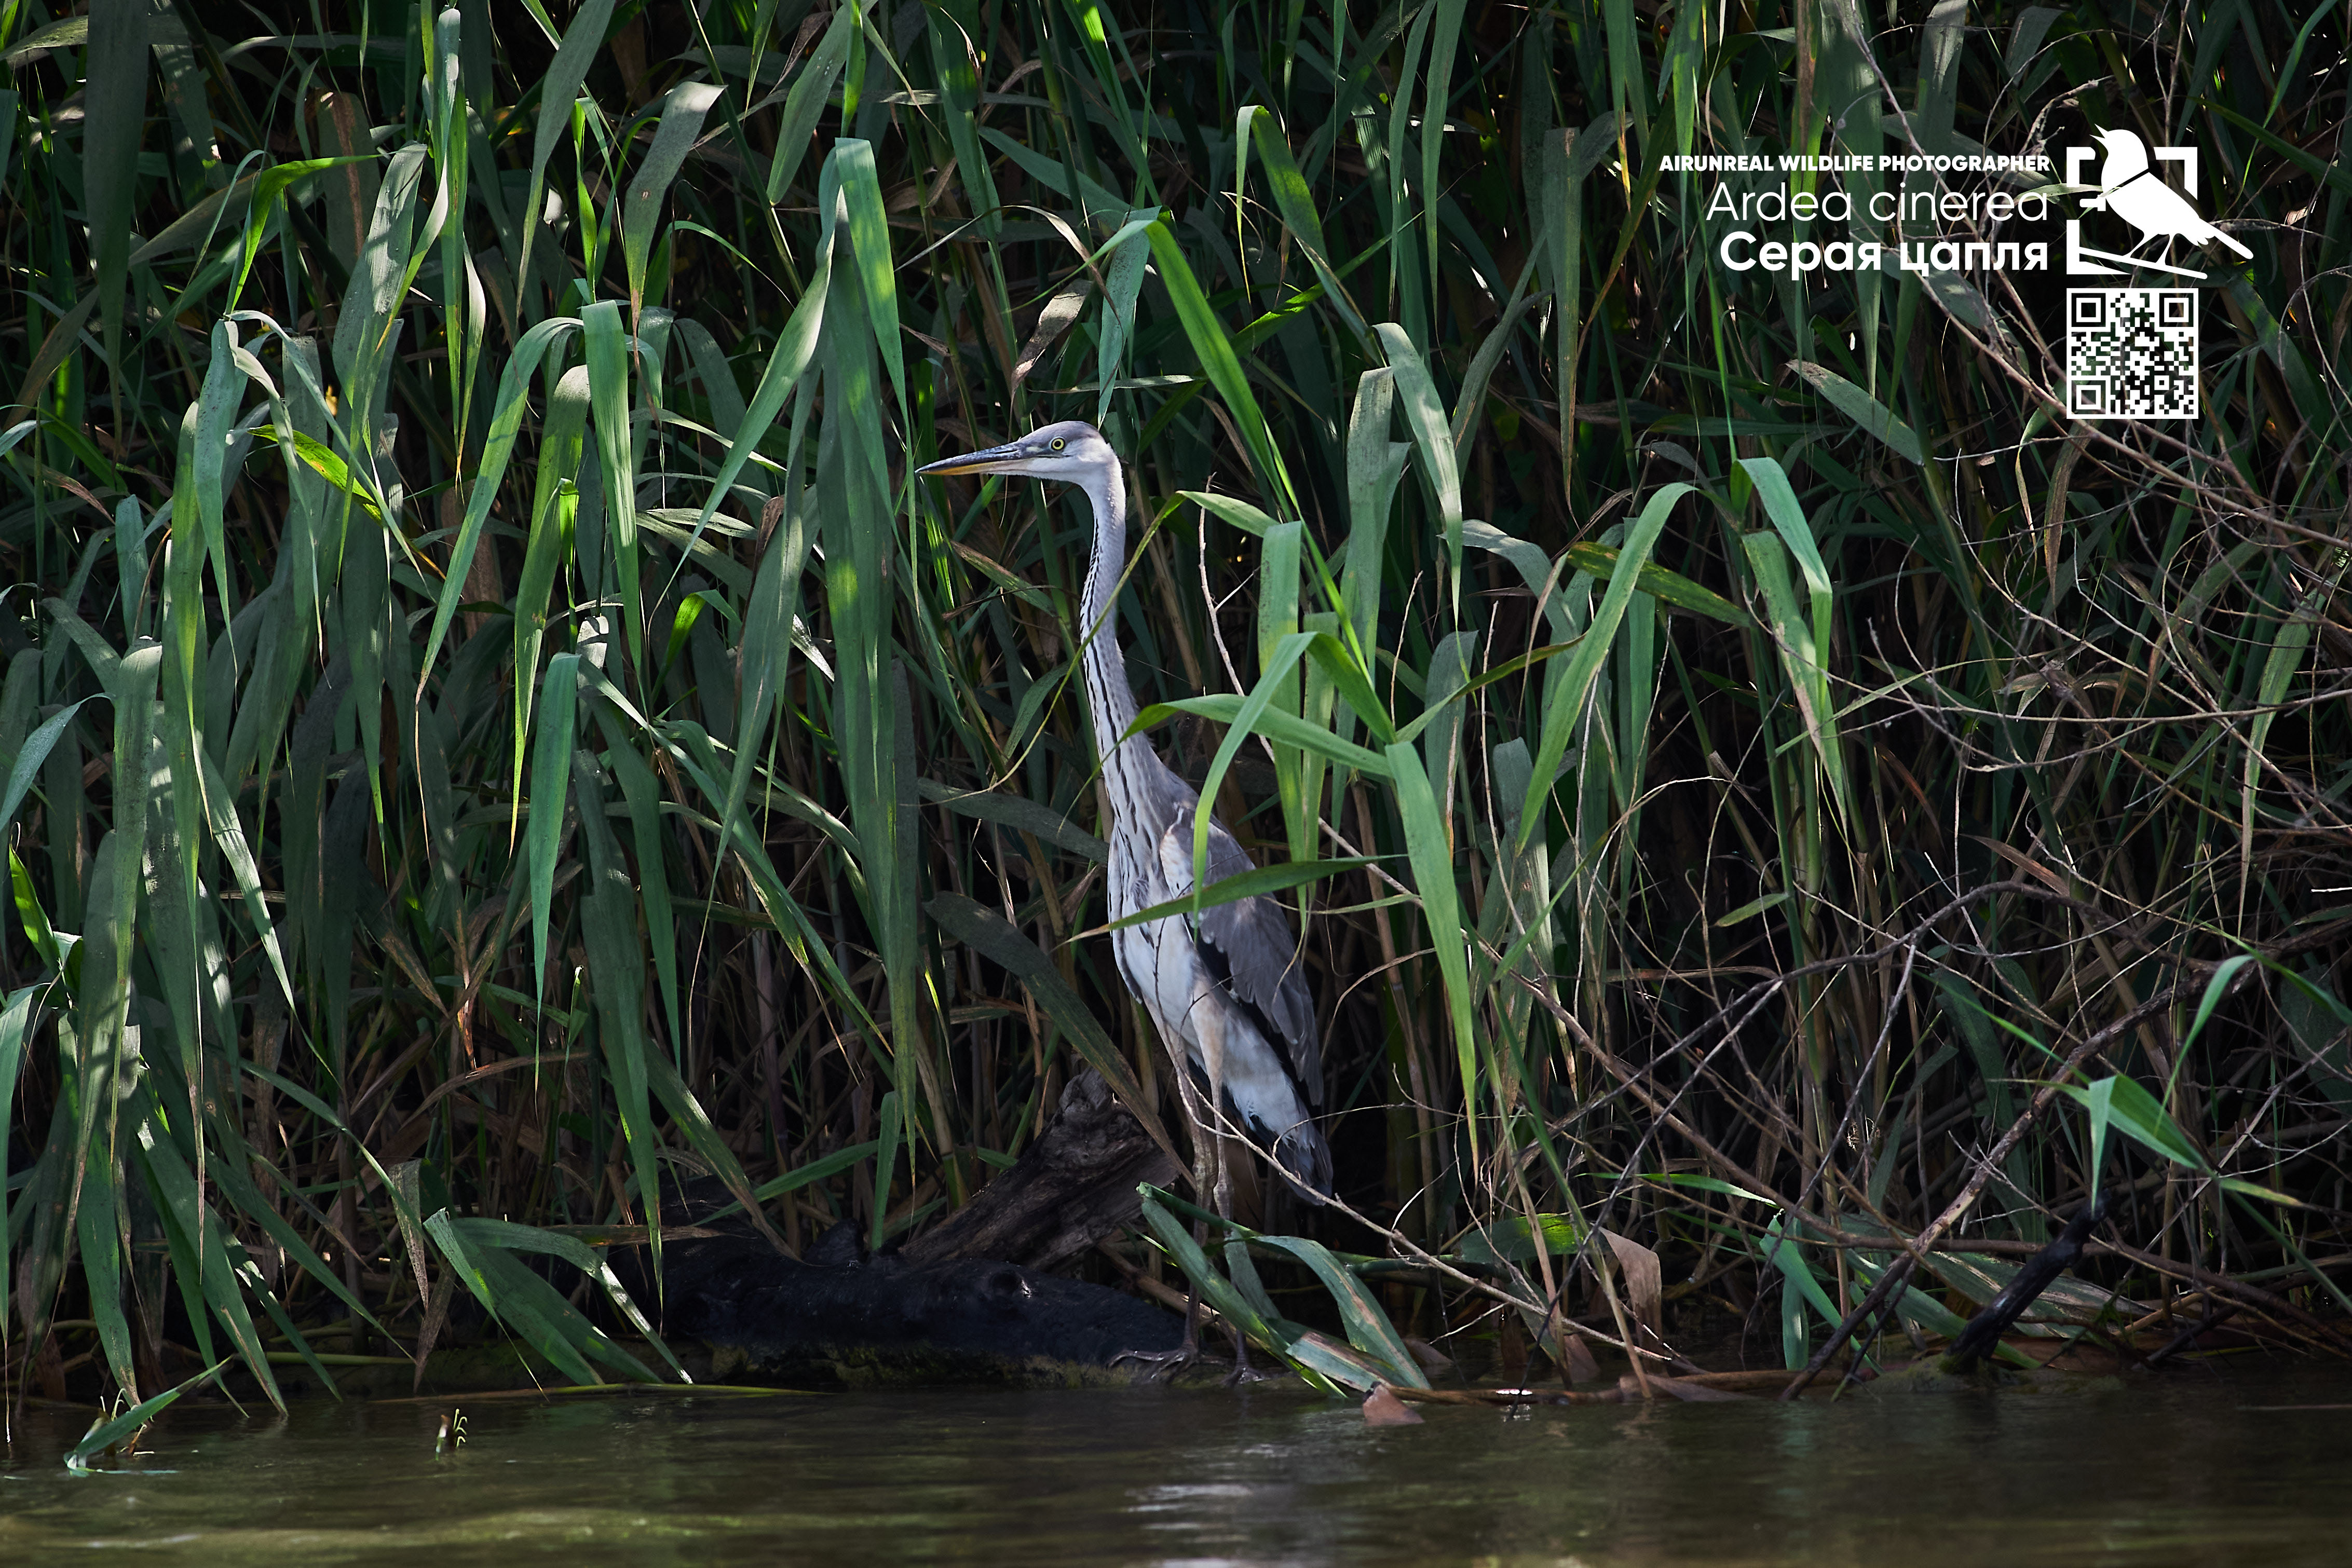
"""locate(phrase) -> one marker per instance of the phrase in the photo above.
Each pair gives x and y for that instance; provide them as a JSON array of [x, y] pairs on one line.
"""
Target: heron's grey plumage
[[1227, 991]]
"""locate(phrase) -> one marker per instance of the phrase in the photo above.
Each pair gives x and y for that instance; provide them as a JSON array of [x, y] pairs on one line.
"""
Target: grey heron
[[1226, 990]]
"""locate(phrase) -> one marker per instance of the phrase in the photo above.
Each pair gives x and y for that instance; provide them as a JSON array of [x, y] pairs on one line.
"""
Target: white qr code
[[2131, 353]]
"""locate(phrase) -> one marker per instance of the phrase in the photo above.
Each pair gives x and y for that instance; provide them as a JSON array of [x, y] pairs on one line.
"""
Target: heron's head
[[1072, 450]]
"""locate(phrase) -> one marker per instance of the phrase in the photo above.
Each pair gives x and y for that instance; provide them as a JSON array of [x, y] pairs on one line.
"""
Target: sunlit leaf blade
[[2126, 1105], [1672, 587], [1368, 1328], [1262, 882], [104, 1435], [1867, 412]]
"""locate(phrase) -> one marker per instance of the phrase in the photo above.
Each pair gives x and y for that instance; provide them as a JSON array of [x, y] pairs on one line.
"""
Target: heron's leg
[[1157, 1364], [1208, 1022], [1202, 1162]]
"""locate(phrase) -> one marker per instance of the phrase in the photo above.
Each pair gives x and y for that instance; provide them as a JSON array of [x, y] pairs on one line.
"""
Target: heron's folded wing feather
[[1249, 949]]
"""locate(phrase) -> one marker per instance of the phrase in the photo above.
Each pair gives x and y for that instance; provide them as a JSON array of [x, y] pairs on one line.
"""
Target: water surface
[[2198, 1466]]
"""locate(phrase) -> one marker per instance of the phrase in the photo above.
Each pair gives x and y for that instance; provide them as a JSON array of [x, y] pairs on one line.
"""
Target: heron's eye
[[1057, 443]]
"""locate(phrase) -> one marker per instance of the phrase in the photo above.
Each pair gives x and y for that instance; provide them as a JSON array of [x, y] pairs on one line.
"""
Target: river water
[[2223, 1464]]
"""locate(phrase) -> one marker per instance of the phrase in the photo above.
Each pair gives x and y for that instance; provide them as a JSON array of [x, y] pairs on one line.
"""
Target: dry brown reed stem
[[1746, 1004], [1913, 1247]]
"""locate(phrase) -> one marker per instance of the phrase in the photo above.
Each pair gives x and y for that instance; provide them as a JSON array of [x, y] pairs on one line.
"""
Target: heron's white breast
[[1162, 966], [1159, 963], [1155, 958]]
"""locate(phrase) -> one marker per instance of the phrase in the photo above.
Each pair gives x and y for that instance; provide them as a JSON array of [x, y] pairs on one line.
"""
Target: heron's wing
[[1248, 949]]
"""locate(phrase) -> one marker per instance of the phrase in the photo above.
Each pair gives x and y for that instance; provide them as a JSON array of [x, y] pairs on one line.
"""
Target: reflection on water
[[2198, 1466]]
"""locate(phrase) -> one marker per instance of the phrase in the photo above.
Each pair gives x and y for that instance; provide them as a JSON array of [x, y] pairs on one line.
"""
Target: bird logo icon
[[2131, 351], [2131, 190]]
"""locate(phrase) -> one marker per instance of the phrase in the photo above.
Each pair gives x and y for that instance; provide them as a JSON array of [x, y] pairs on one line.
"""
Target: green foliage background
[[487, 713]]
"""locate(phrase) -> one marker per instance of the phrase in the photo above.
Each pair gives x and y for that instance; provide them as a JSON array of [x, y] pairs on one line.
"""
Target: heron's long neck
[[1110, 701]]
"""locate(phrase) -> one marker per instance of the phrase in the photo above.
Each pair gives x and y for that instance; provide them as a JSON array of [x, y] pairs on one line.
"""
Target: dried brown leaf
[[1383, 1408]]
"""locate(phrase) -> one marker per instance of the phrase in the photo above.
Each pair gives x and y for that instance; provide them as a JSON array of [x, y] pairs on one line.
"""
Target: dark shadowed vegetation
[[488, 721]]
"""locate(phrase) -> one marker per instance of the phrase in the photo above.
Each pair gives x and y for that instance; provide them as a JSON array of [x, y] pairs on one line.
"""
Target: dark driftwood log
[[838, 1316], [973, 1301], [838, 1319], [1072, 1186]]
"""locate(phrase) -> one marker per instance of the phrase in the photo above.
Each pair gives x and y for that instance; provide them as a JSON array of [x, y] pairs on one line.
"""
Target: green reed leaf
[[1219, 362], [1867, 412], [1565, 702], [1002, 944], [1426, 419], [1263, 882], [104, 1435], [497, 447]]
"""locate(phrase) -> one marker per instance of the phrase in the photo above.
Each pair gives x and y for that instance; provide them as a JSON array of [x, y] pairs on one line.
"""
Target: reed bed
[[1784, 812]]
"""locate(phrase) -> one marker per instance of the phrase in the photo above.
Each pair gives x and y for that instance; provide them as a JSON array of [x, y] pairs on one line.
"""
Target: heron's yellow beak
[[987, 462]]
